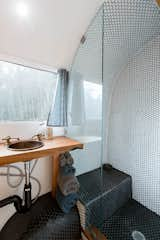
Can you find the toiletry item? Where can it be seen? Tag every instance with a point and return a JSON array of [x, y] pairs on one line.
[[49, 133]]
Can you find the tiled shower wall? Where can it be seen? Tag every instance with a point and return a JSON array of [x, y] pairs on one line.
[[134, 126]]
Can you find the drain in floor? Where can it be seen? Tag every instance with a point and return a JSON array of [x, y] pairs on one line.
[[136, 235]]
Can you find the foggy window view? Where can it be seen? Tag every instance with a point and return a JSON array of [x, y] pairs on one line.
[[93, 100], [26, 94]]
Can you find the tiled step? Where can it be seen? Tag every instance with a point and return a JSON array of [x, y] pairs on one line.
[[101, 194]]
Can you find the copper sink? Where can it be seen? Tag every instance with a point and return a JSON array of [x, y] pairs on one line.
[[25, 145]]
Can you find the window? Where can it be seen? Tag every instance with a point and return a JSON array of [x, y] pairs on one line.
[[26, 94], [93, 100]]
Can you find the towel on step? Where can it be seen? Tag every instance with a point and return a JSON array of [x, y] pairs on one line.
[[68, 184], [66, 158], [67, 170], [66, 203]]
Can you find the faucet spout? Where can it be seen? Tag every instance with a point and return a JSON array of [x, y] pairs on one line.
[[39, 136], [8, 139]]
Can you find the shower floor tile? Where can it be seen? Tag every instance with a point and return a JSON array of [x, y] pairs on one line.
[[133, 216]]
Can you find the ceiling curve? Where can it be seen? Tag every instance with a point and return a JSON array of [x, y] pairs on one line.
[[44, 32], [48, 32]]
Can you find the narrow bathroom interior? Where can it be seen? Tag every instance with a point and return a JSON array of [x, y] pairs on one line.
[[79, 120]]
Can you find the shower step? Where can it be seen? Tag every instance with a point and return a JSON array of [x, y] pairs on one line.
[[102, 193]]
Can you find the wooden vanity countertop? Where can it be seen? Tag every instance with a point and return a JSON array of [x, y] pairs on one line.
[[56, 145]]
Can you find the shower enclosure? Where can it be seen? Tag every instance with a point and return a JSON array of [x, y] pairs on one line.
[[85, 117], [114, 108]]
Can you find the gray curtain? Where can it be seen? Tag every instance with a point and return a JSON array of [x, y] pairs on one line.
[[58, 114]]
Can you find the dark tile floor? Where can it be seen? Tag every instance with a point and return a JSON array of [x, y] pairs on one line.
[[133, 216], [44, 221]]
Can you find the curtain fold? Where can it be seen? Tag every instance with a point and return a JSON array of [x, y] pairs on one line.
[[58, 114]]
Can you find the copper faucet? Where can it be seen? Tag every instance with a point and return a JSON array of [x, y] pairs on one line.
[[39, 136], [8, 139]]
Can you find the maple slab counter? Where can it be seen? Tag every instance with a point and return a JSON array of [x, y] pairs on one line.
[[53, 148]]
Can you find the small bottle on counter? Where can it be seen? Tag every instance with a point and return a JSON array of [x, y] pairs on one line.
[[49, 133]]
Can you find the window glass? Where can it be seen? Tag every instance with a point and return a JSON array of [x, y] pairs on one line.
[[26, 94], [93, 100]]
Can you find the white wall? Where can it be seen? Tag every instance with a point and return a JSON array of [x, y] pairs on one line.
[[43, 170], [49, 34], [134, 130]]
